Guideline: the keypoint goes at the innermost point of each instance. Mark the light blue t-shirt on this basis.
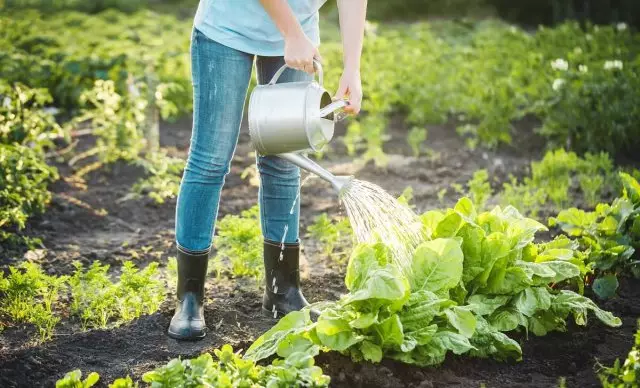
(245, 25)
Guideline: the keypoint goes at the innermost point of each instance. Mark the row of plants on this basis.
(225, 368)
(626, 373)
(477, 278)
(91, 295)
(113, 75)
(488, 75)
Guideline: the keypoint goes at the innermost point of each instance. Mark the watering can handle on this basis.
(316, 65)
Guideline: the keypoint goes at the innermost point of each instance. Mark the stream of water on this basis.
(375, 215)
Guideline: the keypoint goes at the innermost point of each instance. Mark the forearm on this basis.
(352, 19)
(283, 17)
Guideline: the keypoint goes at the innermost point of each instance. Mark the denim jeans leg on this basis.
(279, 179)
(220, 80)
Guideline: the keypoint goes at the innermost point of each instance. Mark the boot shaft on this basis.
(282, 266)
(192, 272)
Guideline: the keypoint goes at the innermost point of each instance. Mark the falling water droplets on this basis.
(275, 313)
(375, 215)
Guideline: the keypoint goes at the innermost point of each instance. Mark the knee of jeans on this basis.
(278, 167)
(209, 168)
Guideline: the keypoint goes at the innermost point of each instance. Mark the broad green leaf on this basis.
(430, 221)
(362, 260)
(437, 265)
(267, 344)
(506, 319)
(631, 187)
(531, 300)
(489, 342)
(424, 334)
(421, 308)
(486, 304)
(455, 342)
(494, 247)
(336, 334)
(462, 319)
(390, 331)
(569, 302)
(574, 221)
(370, 351)
(466, 208)
(606, 286)
(472, 243)
(449, 225)
(364, 320)
(536, 269)
(408, 344)
(386, 284)
(297, 343)
(564, 270)
(554, 254)
(515, 280)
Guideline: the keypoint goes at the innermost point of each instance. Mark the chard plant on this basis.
(476, 279)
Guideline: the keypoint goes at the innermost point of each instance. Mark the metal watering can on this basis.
(292, 118)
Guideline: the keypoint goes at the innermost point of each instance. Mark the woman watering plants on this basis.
(227, 36)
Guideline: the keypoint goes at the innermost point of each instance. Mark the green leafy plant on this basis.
(164, 177)
(23, 119)
(416, 137)
(73, 379)
(239, 243)
(229, 369)
(625, 374)
(24, 178)
(30, 296)
(477, 277)
(479, 188)
(610, 236)
(554, 178)
(335, 236)
(225, 368)
(98, 301)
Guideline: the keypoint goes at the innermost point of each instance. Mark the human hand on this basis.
(299, 53)
(351, 87)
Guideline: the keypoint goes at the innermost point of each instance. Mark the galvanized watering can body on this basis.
(289, 118)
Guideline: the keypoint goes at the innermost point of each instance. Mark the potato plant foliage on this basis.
(475, 279)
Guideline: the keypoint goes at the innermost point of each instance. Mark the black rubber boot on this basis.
(188, 320)
(283, 294)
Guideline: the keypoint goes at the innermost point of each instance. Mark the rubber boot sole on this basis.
(186, 338)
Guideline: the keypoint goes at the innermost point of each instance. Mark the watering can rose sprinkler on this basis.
(292, 118)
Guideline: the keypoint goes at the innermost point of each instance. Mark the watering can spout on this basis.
(339, 183)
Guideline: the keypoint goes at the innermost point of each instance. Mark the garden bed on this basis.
(143, 232)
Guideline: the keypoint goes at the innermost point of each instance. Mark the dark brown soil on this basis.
(142, 231)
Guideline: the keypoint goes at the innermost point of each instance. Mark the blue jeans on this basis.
(221, 78)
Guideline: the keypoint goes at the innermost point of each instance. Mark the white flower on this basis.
(588, 37)
(6, 103)
(558, 83)
(615, 64)
(578, 50)
(621, 26)
(583, 68)
(560, 64)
